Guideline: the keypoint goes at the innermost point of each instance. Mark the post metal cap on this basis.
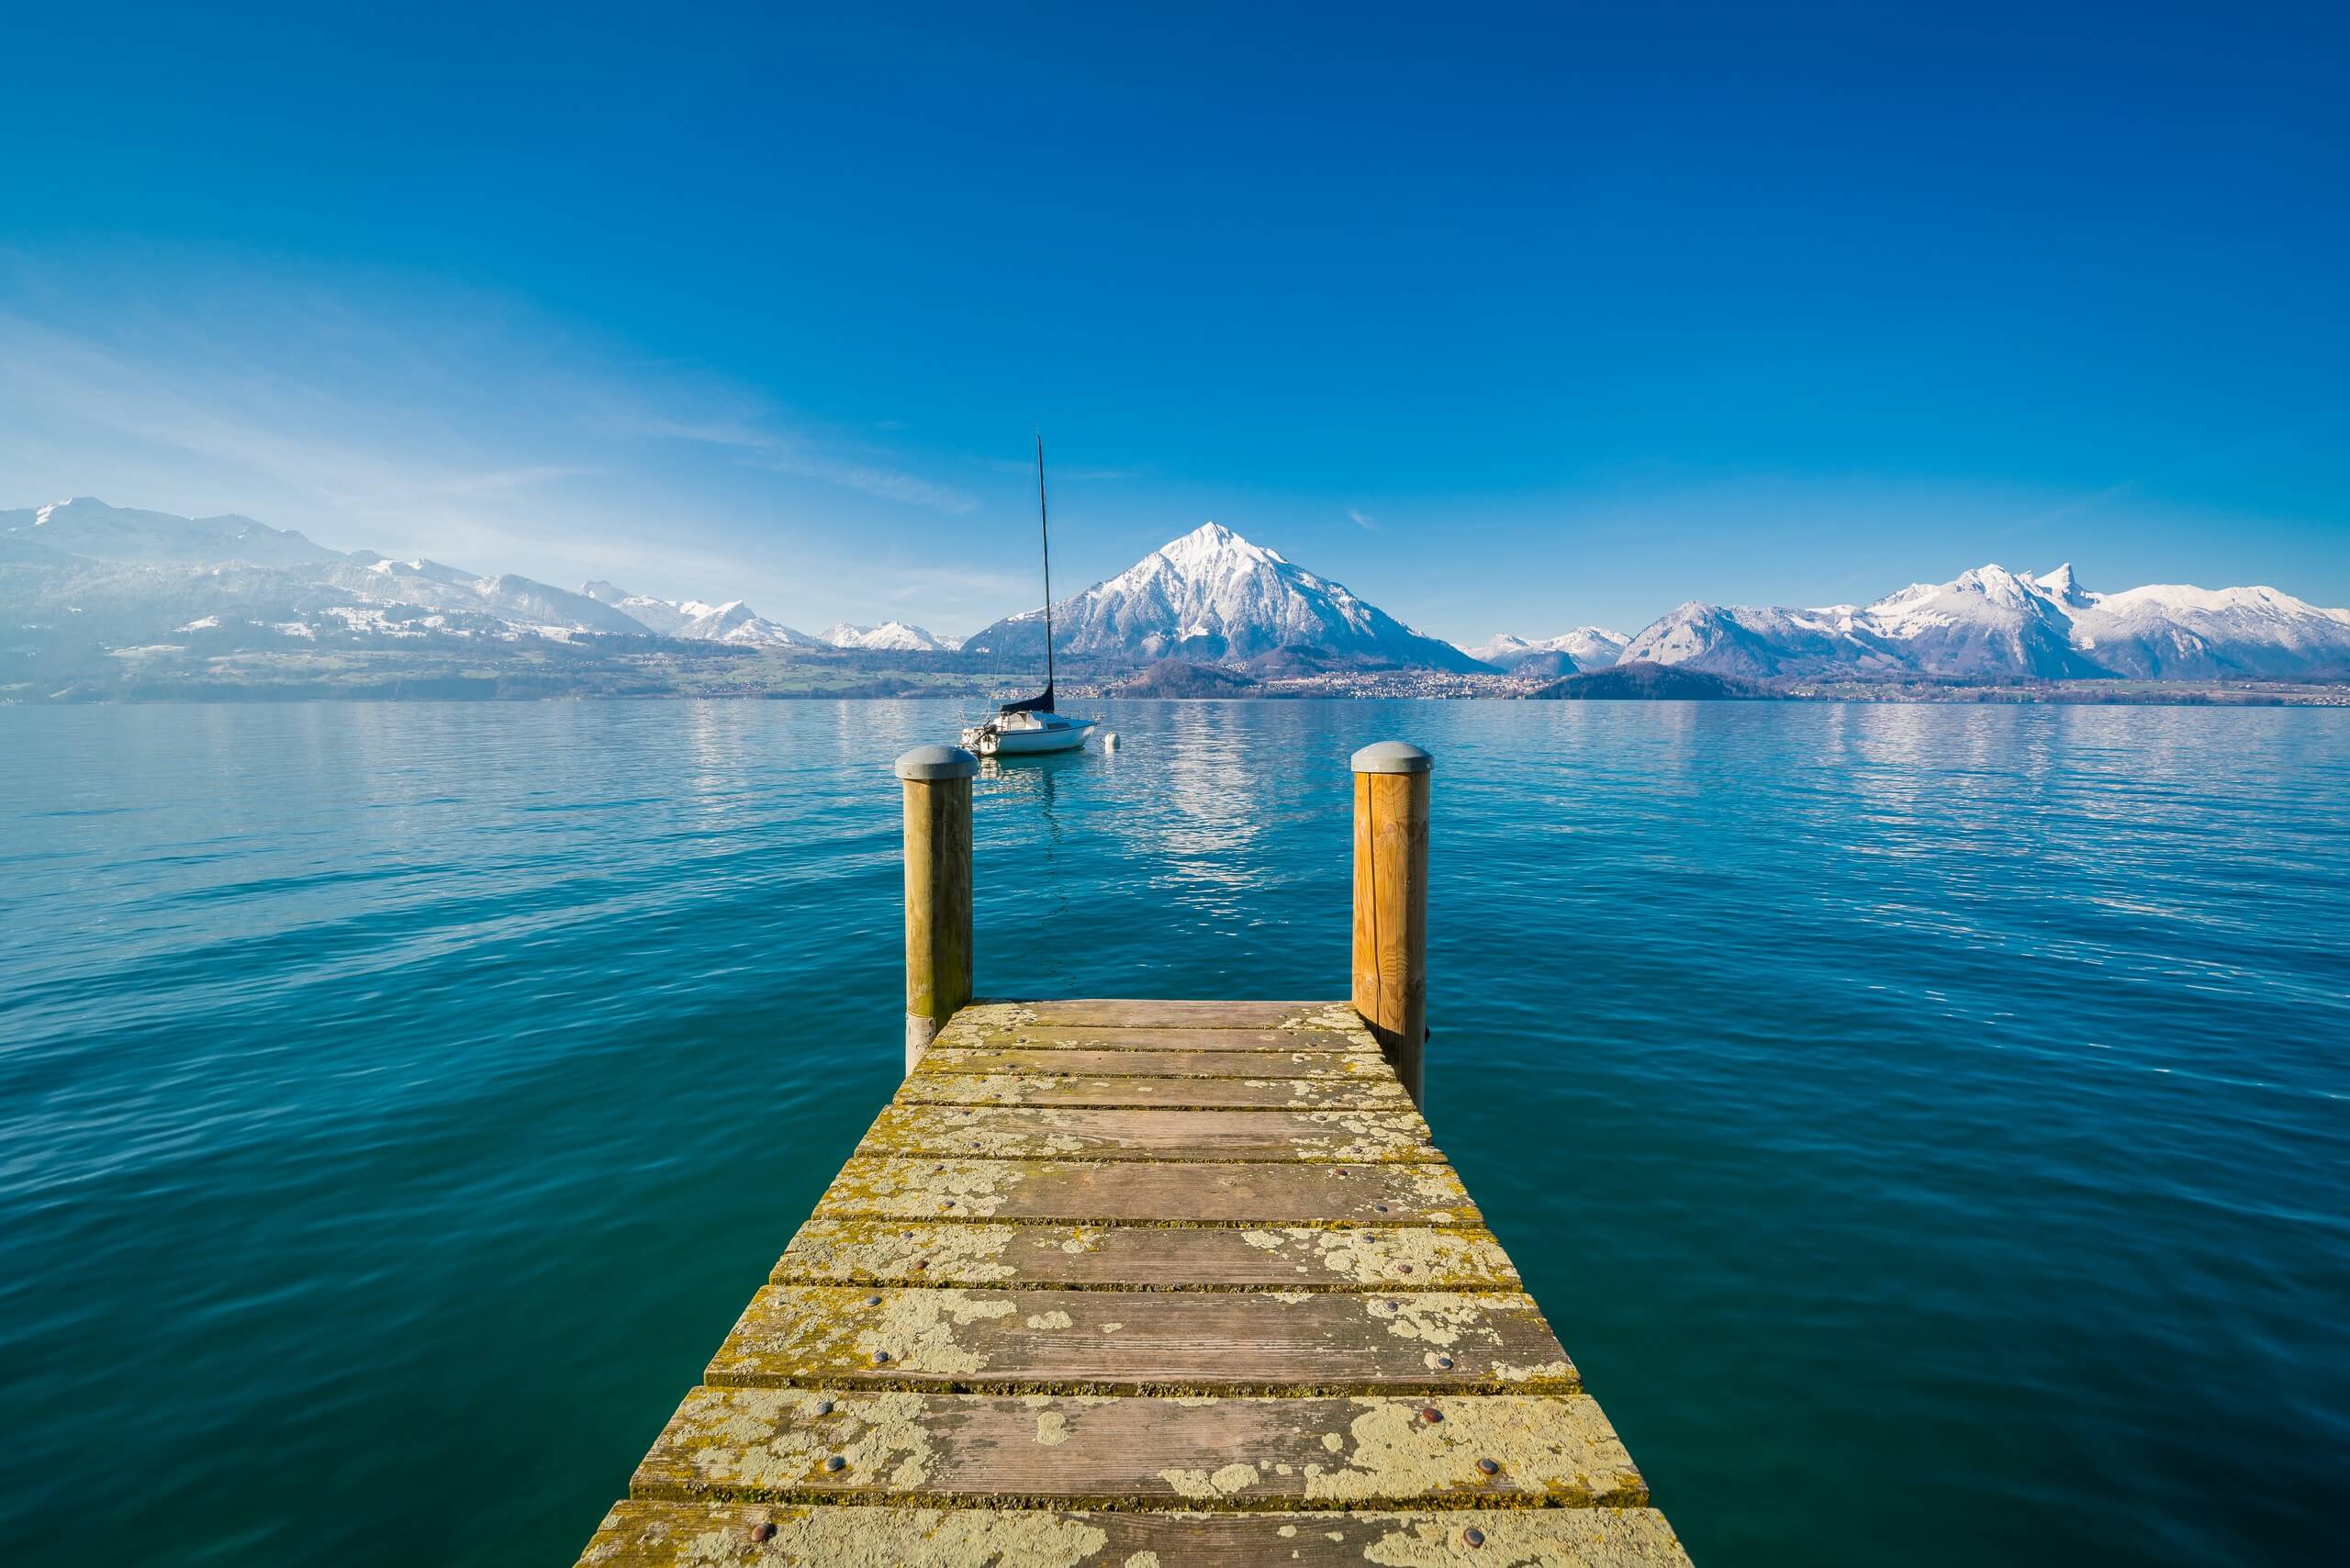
(925, 763)
(1393, 757)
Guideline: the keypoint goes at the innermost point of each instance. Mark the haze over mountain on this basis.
(1214, 596)
(88, 527)
(123, 576)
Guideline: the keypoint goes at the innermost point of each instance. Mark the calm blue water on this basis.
(1928, 1127)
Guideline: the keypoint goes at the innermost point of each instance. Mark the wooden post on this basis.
(936, 782)
(1392, 901)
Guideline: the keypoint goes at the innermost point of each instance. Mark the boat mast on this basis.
(1044, 530)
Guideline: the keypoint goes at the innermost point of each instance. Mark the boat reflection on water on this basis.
(1034, 776)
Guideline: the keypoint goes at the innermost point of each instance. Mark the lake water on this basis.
(1928, 1127)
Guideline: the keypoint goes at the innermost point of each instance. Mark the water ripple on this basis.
(1949, 1103)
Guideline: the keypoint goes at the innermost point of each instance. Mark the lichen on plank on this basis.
(1344, 1137)
(768, 1535)
(1188, 1063)
(1144, 1257)
(755, 1444)
(1144, 1193)
(1102, 1342)
(931, 1084)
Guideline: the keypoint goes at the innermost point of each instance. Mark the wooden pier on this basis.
(1146, 1283)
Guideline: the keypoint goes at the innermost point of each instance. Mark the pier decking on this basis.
(1145, 1284)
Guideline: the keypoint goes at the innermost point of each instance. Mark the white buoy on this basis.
(1110, 741)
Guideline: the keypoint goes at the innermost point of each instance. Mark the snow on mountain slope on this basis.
(404, 572)
(1213, 595)
(1987, 621)
(694, 621)
(1990, 623)
(1758, 643)
(735, 622)
(522, 600)
(890, 636)
(656, 615)
(1584, 648)
(517, 602)
(2174, 630)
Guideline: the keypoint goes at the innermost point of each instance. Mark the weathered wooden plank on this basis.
(696, 1535)
(963, 1035)
(1125, 1014)
(1363, 1094)
(1142, 1281)
(1144, 1257)
(1135, 1192)
(1145, 1342)
(808, 1445)
(1163, 1064)
(1040, 1132)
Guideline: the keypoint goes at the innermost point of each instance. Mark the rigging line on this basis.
(1044, 531)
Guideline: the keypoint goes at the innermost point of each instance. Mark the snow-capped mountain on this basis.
(1992, 623)
(1570, 653)
(693, 622)
(890, 636)
(1212, 594)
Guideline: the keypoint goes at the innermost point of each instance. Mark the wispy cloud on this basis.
(1364, 519)
(1059, 474)
(886, 483)
(995, 592)
(214, 410)
(420, 420)
(755, 430)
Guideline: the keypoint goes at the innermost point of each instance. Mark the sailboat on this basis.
(1031, 726)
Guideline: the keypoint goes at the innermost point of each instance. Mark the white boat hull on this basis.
(1021, 740)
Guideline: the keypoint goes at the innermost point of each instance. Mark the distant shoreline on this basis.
(555, 672)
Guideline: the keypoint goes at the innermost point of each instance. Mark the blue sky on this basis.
(1509, 318)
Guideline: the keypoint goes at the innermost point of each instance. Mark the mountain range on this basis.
(127, 577)
(1994, 624)
(87, 577)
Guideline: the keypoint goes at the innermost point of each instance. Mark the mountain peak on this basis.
(2061, 585)
(1993, 582)
(1209, 545)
